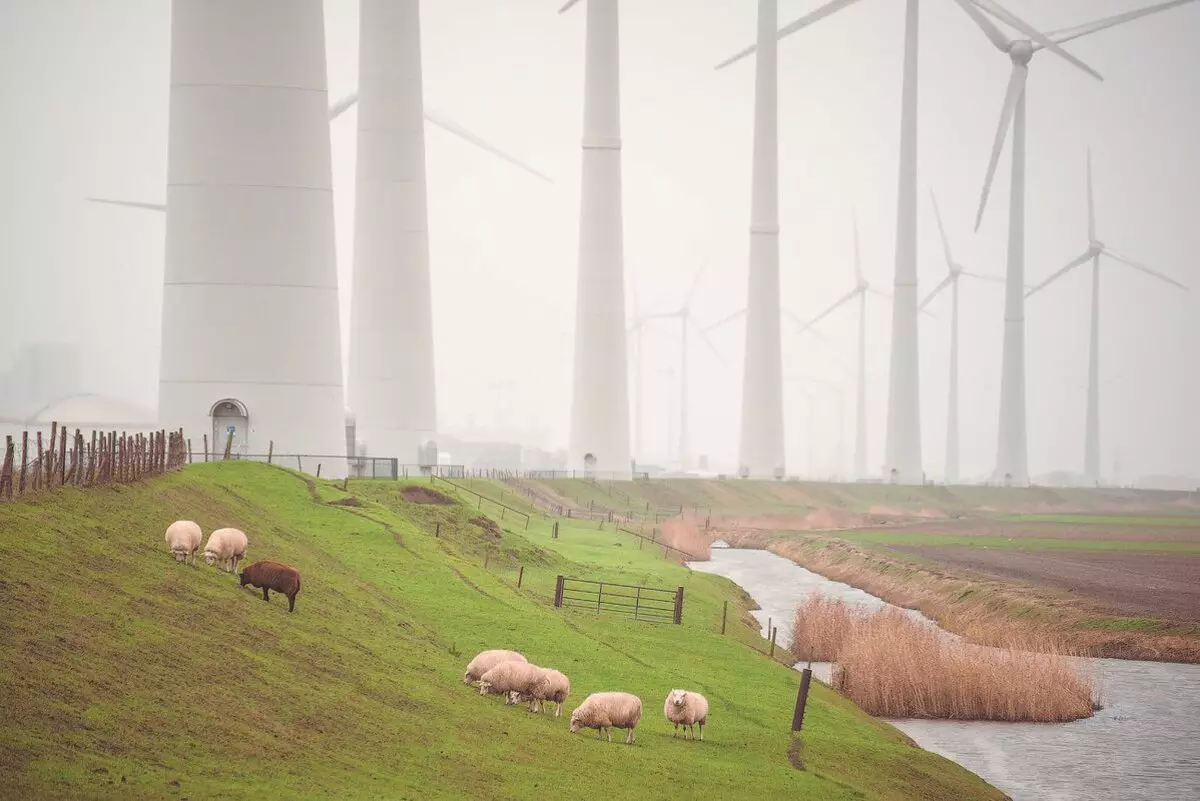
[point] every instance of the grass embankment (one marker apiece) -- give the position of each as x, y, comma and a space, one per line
124, 674
983, 610
894, 666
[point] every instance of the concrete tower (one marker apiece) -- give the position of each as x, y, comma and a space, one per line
391, 376
250, 307
762, 452
600, 395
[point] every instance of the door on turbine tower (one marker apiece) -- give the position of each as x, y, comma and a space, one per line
229, 417
589, 466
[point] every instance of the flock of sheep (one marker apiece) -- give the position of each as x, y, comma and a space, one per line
508, 672
227, 546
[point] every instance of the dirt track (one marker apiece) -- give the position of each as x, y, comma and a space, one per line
1154, 585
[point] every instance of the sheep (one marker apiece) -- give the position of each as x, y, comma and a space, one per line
273, 576
510, 677
226, 545
486, 660
604, 710
684, 708
551, 686
184, 538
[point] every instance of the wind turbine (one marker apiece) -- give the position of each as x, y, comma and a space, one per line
600, 394
684, 315
1096, 249
904, 399
1012, 460
951, 280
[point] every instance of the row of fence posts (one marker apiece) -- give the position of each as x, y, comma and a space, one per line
107, 458
805, 674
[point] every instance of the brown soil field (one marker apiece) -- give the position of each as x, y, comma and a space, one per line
1152, 585
1067, 531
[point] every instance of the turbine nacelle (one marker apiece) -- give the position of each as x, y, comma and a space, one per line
1021, 51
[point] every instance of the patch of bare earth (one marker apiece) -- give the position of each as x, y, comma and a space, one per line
1153, 585
415, 494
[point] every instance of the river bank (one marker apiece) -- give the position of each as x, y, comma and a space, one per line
1140, 745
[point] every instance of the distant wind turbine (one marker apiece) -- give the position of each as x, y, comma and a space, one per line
859, 293
951, 280
1096, 249
684, 315
904, 398
1012, 459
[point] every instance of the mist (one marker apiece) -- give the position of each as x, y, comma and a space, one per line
84, 91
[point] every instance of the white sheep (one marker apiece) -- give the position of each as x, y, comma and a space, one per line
183, 538
509, 678
486, 660
227, 546
687, 709
551, 686
605, 710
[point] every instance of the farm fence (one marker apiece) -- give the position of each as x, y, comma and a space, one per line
35, 465
651, 604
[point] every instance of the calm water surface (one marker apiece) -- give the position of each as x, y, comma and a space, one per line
1144, 744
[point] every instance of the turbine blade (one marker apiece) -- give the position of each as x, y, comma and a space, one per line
133, 204
787, 30
1091, 200
1034, 34
724, 320
937, 214
1070, 266
997, 37
949, 279
1067, 34
567, 6
842, 301
996, 279
1016, 85
1139, 266
687, 299
456, 129
880, 292
338, 108
709, 342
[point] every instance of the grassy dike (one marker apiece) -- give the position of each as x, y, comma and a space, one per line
123, 674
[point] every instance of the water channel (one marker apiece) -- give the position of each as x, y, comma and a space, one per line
1144, 743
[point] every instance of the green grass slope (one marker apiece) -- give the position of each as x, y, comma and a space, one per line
124, 674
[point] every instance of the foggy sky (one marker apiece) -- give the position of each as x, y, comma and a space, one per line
84, 91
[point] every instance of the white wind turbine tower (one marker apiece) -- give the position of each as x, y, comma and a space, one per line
250, 335
904, 400
684, 315
1012, 461
1096, 249
600, 395
951, 280
762, 432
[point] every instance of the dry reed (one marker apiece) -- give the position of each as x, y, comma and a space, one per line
681, 533
892, 665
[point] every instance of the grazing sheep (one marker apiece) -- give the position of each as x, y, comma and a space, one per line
551, 686
226, 545
486, 660
184, 538
273, 576
602, 711
686, 709
509, 678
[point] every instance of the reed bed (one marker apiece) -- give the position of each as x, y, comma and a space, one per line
682, 533
892, 665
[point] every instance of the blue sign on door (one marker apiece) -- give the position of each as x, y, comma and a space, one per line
230, 429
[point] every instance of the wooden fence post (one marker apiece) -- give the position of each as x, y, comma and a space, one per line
62, 456
801, 699
318, 469
520, 576
486, 555
437, 532
206, 447
773, 632
189, 446
24, 460
6, 471
678, 605
558, 592
724, 612
228, 445
270, 451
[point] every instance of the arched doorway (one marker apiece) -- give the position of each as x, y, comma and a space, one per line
229, 416
589, 466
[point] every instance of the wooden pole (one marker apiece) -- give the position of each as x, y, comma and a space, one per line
724, 612
678, 605
6, 472
773, 631
520, 576
206, 447
228, 445
41, 464
270, 451
801, 699
62, 456
558, 592
24, 459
